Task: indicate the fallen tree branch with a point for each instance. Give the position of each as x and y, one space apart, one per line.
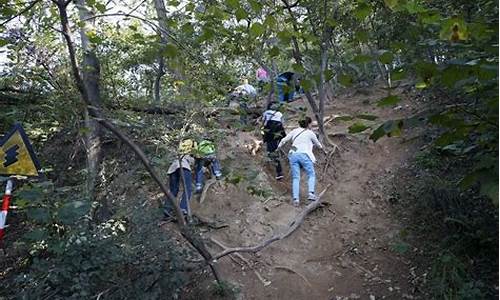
149 110
294 224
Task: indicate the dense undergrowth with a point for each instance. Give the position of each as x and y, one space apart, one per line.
457 229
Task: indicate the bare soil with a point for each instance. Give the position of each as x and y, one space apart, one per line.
343 250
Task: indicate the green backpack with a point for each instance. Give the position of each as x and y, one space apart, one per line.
206 148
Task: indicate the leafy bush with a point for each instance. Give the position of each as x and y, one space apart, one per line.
70 258
461 228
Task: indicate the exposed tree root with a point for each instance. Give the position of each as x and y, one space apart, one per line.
242 262
208 184
294 224
214 224
290 270
328 160
220 244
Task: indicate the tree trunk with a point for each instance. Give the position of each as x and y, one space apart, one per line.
91 78
161 13
157 83
322 84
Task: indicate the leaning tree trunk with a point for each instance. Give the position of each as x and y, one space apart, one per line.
187 232
297 55
91 78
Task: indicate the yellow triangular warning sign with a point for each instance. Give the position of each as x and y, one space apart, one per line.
16 154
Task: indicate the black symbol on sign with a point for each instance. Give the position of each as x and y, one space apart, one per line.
11 156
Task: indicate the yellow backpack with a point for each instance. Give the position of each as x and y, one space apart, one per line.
187 146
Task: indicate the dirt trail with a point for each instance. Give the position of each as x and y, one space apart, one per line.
341 251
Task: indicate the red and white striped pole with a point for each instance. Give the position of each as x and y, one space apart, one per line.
5 206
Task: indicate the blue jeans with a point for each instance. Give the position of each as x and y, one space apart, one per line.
175 182
214 168
298 160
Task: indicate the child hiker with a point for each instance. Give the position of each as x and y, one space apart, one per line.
181 166
206 156
301 155
273 132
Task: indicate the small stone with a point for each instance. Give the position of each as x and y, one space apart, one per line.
390 289
372 297
354 296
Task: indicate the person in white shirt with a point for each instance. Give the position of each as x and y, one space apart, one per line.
245 89
301 155
244 93
274 131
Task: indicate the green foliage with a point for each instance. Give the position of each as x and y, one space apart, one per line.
389 100
460 227
257 29
67 258
389 128
345 79
357 127
363 10
454 282
386 57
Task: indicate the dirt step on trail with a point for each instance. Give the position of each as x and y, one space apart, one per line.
342 250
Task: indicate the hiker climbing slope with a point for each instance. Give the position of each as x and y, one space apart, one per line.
288 83
273 132
301 156
244 94
206 156
181 167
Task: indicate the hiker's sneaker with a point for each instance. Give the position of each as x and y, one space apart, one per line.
311 197
279 177
199 188
218 177
295 202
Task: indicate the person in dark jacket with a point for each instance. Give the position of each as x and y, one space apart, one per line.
274 131
287 84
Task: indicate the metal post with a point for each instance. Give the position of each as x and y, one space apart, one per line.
7 197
